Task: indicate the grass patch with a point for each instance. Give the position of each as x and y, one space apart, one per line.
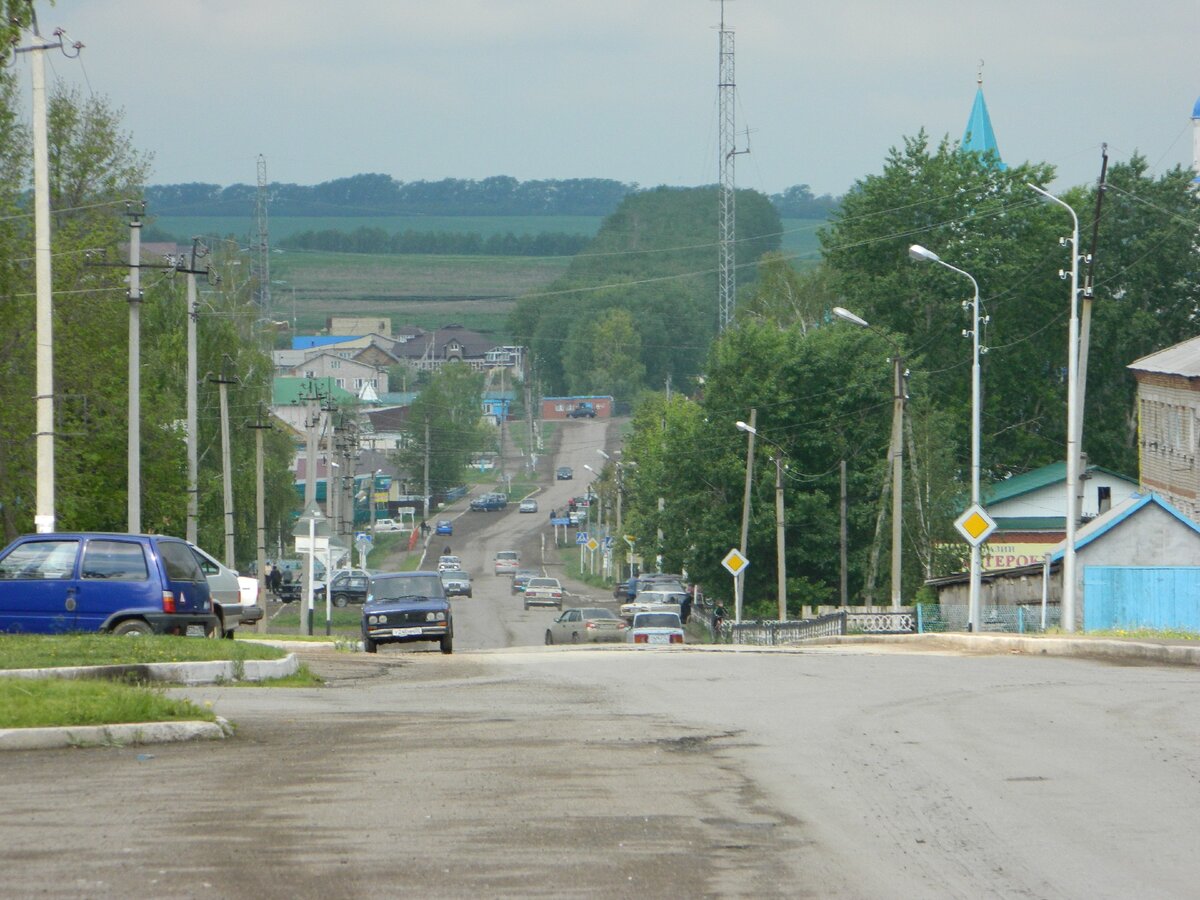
1140 634
48 702
41 651
302 677
348 618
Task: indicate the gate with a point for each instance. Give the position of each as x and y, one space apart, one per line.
1133 597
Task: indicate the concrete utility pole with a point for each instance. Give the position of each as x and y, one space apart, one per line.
134 479
899 399
260 516
222 383
193 378
425 504
844 541
311 421
780 539
44 514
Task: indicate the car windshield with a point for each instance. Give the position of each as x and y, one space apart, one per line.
656 620
599 614
408 587
507 554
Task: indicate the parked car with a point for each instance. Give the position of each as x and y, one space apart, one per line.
388 525
445 526
224 585
656 628
576 626
403 607
564 473
582 411
116 583
507 562
528 505
348 587
543 592
457 583
521 578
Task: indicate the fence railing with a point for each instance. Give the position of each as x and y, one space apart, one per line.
767 633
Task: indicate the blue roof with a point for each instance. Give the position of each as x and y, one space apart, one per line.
307 342
978 136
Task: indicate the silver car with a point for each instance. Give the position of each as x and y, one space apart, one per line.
231 606
586 625
456 582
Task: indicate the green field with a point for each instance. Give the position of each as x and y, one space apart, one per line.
184 228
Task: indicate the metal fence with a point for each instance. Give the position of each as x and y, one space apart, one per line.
767 632
994 619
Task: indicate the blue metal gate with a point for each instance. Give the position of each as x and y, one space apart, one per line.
1131 597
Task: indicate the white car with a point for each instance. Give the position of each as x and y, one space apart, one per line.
388 525
528 505
656 628
543 592
449 564
652 601
507 562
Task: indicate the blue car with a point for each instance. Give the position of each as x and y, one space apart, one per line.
403 607
116 583
445 526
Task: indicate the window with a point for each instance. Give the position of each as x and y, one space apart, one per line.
180 562
40 560
335 363
114 561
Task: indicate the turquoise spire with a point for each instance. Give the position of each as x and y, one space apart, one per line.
978 136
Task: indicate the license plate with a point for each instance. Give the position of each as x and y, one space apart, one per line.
195 631
660 639
405 632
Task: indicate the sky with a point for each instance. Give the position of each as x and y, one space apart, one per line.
627 89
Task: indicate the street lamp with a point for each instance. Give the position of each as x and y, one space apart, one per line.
920 254
896 453
780 537
1074 419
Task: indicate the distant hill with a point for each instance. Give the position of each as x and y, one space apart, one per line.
381 195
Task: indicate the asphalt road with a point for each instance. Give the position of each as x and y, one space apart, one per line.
532 771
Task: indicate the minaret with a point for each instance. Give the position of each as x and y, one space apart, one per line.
1196 143
978 136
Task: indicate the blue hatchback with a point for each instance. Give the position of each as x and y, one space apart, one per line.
118 583
445 526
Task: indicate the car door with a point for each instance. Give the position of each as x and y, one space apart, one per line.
38 586
114 575
566 625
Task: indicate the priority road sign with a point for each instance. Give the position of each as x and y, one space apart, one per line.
581 537
592 544
975 525
734 562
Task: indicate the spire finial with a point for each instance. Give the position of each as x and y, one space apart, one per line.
979 74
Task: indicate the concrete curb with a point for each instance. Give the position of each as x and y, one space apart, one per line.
174 673
1082 648
112 735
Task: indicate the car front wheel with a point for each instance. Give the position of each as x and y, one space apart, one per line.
369 646
447 643
549 639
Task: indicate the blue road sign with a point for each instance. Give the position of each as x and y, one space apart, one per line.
563 521
609 541
581 537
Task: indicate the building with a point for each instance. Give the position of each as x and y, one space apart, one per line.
355 325
1168 410
347 374
558 407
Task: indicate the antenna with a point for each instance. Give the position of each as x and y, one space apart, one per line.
264 243
726 227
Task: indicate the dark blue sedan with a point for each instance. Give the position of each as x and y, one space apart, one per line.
407 606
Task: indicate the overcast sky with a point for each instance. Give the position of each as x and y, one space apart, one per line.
627 89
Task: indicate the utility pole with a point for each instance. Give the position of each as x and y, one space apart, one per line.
260 516
199 251
425 504
780 539
739 581
311 421
134 523
900 398
843 540
222 382
44 515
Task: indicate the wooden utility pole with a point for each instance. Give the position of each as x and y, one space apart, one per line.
260 557
426 500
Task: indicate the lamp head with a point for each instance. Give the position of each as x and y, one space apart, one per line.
749 429
850 317
920 254
602 453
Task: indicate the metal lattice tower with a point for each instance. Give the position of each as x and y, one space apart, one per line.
727 272
264 243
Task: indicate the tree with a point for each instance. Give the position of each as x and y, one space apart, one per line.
608 357
450 410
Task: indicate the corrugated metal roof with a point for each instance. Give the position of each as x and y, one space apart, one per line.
1053 473
1180 359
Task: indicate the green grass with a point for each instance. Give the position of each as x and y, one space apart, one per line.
47 702
302 677
40 651
348 618
1142 634
283 227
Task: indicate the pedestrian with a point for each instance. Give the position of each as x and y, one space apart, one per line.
685 609
276 580
718 618
446 550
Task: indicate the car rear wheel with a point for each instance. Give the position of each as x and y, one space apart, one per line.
135 627
340 600
527 605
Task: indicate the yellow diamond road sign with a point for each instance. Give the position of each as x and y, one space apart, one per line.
975 525
734 562
592 544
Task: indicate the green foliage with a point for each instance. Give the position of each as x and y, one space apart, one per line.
449 411
655 258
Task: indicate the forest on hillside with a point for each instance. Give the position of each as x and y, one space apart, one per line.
375 195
